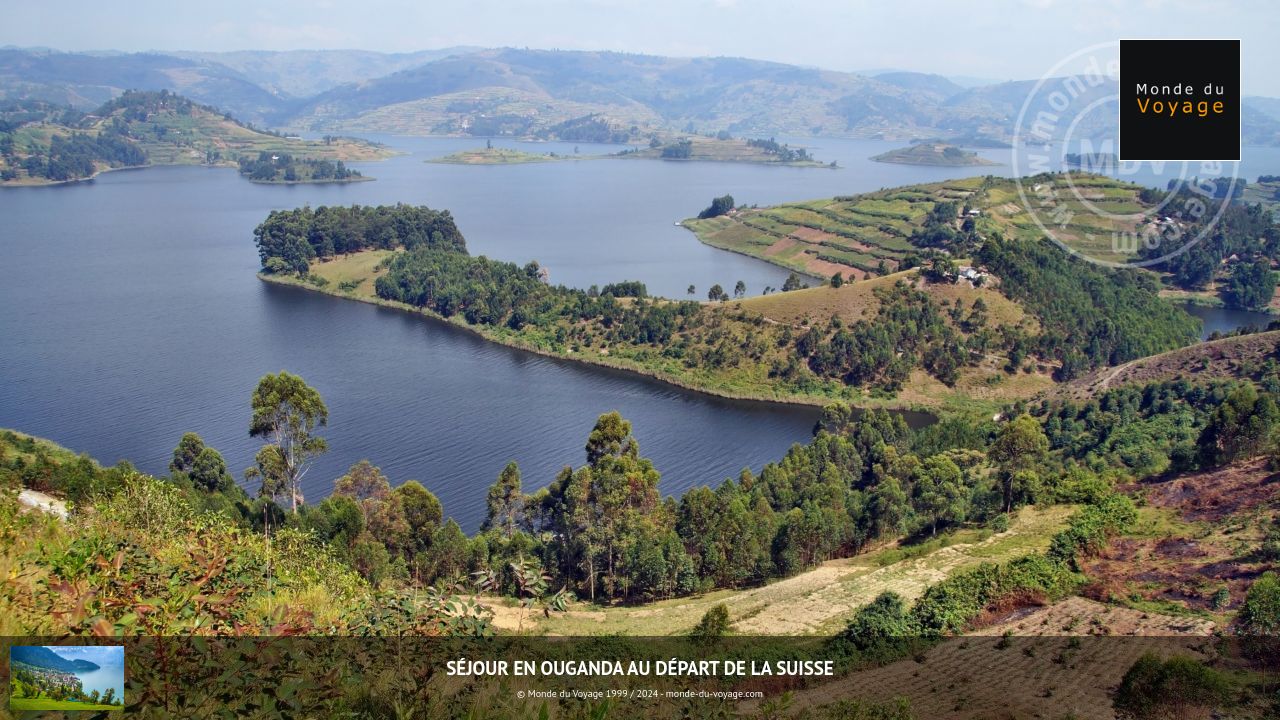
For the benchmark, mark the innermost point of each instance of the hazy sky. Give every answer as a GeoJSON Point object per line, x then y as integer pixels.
{"type": "Point", "coordinates": [999, 39]}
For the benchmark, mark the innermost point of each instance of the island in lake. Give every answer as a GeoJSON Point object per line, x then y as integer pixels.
{"type": "Point", "coordinates": [285, 169]}
{"type": "Point", "coordinates": [1091, 161]}
{"type": "Point", "coordinates": [930, 153]}
{"type": "Point", "coordinates": [723, 148]}
{"type": "Point", "coordinates": [499, 156]}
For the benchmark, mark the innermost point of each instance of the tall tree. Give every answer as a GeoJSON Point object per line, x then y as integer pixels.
{"type": "Point", "coordinates": [940, 491]}
{"type": "Point", "coordinates": [1018, 447]}
{"type": "Point", "coordinates": [184, 456]}
{"type": "Point", "coordinates": [287, 411]}
{"type": "Point", "coordinates": [505, 501]}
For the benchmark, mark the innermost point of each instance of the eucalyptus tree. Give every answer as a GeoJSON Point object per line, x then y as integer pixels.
{"type": "Point", "coordinates": [286, 412]}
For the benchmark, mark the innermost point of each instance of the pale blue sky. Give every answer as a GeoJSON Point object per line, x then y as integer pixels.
{"type": "Point", "coordinates": [999, 39]}
{"type": "Point", "coordinates": [105, 655]}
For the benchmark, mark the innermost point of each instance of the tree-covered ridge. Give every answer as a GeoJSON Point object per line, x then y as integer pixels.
{"type": "Point", "coordinates": [1089, 316]}
{"type": "Point", "coordinates": [288, 240]}
{"type": "Point", "coordinates": [493, 293]}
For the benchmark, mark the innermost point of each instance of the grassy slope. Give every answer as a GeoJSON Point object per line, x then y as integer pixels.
{"type": "Point", "coordinates": [10, 441]}
{"type": "Point", "coordinates": [44, 703]}
{"type": "Point", "coordinates": [1267, 194]}
{"type": "Point", "coordinates": [984, 386]}
{"type": "Point", "coordinates": [1223, 358]}
{"type": "Point", "coordinates": [817, 601]}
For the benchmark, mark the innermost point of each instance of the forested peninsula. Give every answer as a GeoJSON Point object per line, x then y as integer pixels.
{"type": "Point", "coordinates": [920, 336]}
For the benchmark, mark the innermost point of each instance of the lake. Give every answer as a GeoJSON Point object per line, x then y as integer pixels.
{"type": "Point", "coordinates": [130, 313]}
{"type": "Point", "coordinates": [1224, 320]}
{"type": "Point", "coordinates": [102, 679]}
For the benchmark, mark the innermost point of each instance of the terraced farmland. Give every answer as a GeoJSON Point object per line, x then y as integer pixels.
{"type": "Point", "coordinates": [869, 234]}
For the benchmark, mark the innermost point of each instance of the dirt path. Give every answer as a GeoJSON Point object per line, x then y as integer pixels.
{"type": "Point", "coordinates": [1106, 381]}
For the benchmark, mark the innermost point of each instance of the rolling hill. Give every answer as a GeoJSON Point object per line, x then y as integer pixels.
{"type": "Point", "coordinates": [43, 657]}
{"type": "Point", "coordinates": [41, 143]}
{"type": "Point", "coordinates": [525, 93]}
{"type": "Point", "coordinates": [741, 96]}
{"type": "Point", "coordinates": [85, 81]}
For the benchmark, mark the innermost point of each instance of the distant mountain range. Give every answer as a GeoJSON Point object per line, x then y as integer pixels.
{"type": "Point", "coordinates": [43, 657]}
{"type": "Point", "coordinates": [528, 93]}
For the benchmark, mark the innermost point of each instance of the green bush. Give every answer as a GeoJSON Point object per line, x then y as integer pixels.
{"type": "Point", "coordinates": [1173, 688]}
{"type": "Point", "coordinates": [1089, 529]}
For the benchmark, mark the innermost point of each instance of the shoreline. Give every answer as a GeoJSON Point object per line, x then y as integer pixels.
{"type": "Point", "coordinates": [605, 361]}
{"type": "Point", "coordinates": [762, 258]}
{"type": "Point", "coordinates": [362, 178]}
{"type": "Point", "coordinates": [72, 181]}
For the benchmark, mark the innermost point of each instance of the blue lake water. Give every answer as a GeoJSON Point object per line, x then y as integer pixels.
{"type": "Point", "coordinates": [130, 314]}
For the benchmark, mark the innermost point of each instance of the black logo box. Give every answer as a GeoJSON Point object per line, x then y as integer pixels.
{"type": "Point", "coordinates": [1186, 65]}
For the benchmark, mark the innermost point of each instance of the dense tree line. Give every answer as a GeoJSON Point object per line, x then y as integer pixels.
{"type": "Point", "coordinates": [678, 150]}
{"type": "Point", "coordinates": [719, 206]}
{"type": "Point", "coordinates": [501, 294]}
{"type": "Point", "coordinates": [1089, 316]}
{"type": "Point", "coordinates": [289, 239]}
{"type": "Point", "coordinates": [590, 129]}
{"type": "Point", "coordinates": [79, 155]}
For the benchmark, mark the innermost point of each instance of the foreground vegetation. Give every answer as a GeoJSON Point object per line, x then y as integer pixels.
{"type": "Point", "coordinates": [193, 554]}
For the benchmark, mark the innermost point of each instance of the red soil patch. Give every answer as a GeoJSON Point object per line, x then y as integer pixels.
{"type": "Point", "coordinates": [811, 235]}
{"type": "Point", "coordinates": [825, 268]}
{"type": "Point", "coordinates": [1186, 570]}
{"type": "Point", "coordinates": [780, 246]}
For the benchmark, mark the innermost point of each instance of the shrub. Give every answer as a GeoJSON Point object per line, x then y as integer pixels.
{"type": "Point", "coordinates": [1173, 688]}
{"type": "Point", "coordinates": [1090, 528]}
{"type": "Point", "coordinates": [714, 624]}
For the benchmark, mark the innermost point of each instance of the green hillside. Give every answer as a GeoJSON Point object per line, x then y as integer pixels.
{"type": "Point", "coordinates": [43, 143]}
